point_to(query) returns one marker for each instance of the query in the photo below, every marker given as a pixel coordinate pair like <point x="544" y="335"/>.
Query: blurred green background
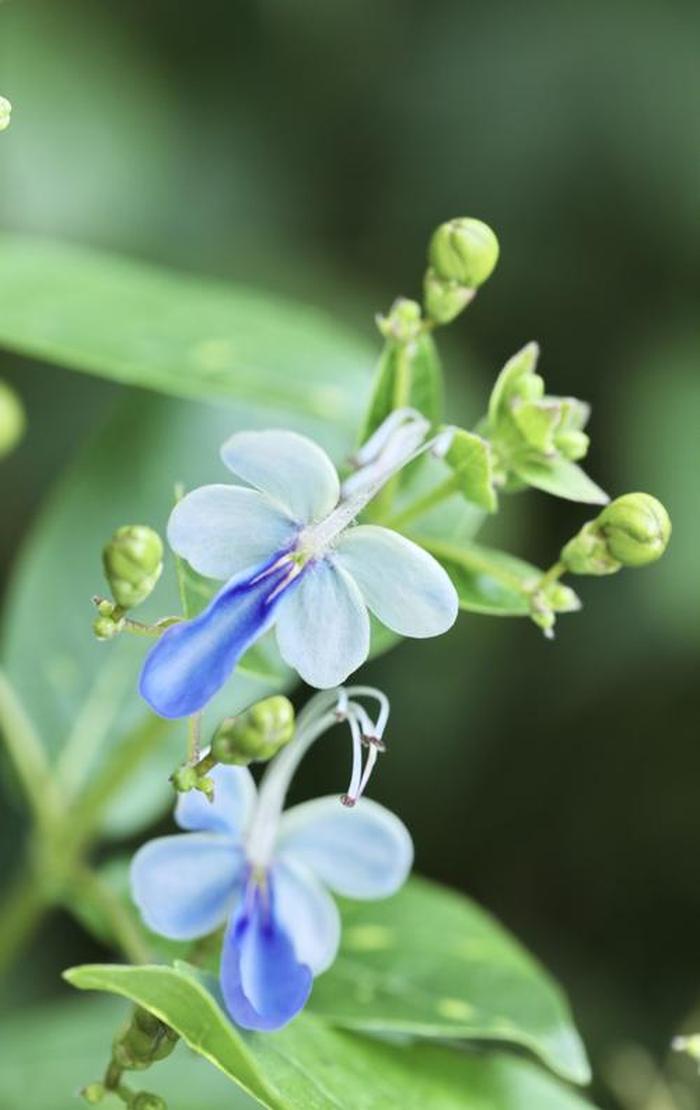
<point x="310" y="149"/>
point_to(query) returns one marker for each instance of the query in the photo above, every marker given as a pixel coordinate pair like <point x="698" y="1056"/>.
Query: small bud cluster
<point x="256" y="735"/>
<point x="631" y="531"/>
<point x="145" y="1041"/>
<point x="463" y="253"/>
<point x="133" y="563"/>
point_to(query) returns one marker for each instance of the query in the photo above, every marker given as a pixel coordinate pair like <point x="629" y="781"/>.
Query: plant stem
<point x="28" y="755"/>
<point x="22" y="909"/>
<point x="552" y="575"/>
<point x="467" y="557"/>
<point x="422" y="504"/>
<point x="125" y="930"/>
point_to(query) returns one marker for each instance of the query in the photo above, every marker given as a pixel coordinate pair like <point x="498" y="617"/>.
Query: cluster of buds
<point x="631" y="531"/>
<point x="145" y="1040"/>
<point x="12" y="418"/>
<point x="133" y="563"/>
<point x="463" y="253"/>
<point x="254" y="736"/>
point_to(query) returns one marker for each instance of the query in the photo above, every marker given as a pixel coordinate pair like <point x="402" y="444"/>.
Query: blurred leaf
<point x="561" y="477"/>
<point x="471" y="460"/>
<point x="181" y="335"/>
<point x="487" y="581"/>
<point x="82" y="694"/>
<point x="308" y="1066"/>
<point x="430" y="963"/>
<point x="425" y="392"/>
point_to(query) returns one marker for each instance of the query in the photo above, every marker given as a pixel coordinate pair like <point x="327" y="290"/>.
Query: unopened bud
<point x="572" y="444"/>
<point x="587" y="552"/>
<point x="444" y="299"/>
<point x="5" y="112"/>
<point x="94" y="1093"/>
<point x="146" y="1101"/>
<point x="636" y="528"/>
<point x="106" y="628"/>
<point x="403" y="322"/>
<point x="464" y="250"/>
<point x="258" y="734"/>
<point x="12" y="419"/>
<point x="133" y="562"/>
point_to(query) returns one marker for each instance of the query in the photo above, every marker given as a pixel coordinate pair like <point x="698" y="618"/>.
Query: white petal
<point x="291" y="469"/>
<point x="223" y="530"/>
<point x="404" y="586"/>
<point x="230" y="809"/>
<point x="323" y="626"/>
<point x="363" y="852"/>
<point x="307" y="913"/>
<point x="186" y="886"/>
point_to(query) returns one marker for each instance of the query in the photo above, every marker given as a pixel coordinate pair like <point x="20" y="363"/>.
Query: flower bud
<point x="106" y="628"/>
<point x="464" y="250"/>
<point x="257" y="734"/>
<point x="403" y="322"/>
<point x="144" y="1100"/>
<point x="12" y="419"/>
<point x="94" y="1093"/>
<point x="587" y="552"/>
<point x="573" y="444"/>
<point x="5" y="111"/>
<point x="636" y="528"/>
<point x="444" y="299"/>
<point x="133" y="562"/>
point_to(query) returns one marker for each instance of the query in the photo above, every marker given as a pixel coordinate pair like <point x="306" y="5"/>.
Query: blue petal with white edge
<point x="263" y="983"/>
<point x="224" y="530"/>
<point x="404" y="586"/>
<point x="192" y="660"/>
<point x="323" y="626"/>
<point x="363" y="852"/>
<point x="186" y="886"/>
<point x="291" y="469"/>
<point x="307" y="913"/>
<point x="230" y="810"/>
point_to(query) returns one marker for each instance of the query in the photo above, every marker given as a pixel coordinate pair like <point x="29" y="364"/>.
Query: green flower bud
<point x="444" y="299"/>
<point x="133" y="562"/>
<point x="464" y="250"/>
<point x="5" y="111"/>
<point x="636" y="528"/>
<point x="105" y="628"/>
<point x="587" y="552"/>
<point x="185" y="779"/>
<point x="572" y="444"/>
<point x="146" y="1101"/>
<point x="257" y="734"/>
<point x="93" y="1093"/>
<point x="12" y="419"/>
<point x="403" y="323"/>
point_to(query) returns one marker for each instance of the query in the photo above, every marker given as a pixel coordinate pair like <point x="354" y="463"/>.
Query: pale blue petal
<point x="404" y="586"/>
<point x="308" y="914"/>
<point x="192" y="660"/>
<point x="186" y="886"/>
<point x="230" y="810"/>
<point x="323" y="626"/>
<point x="291" y="469"/>
<point x="359" y="852"/>
<point x="263" y="983"/>
<point x="223" y="530"/>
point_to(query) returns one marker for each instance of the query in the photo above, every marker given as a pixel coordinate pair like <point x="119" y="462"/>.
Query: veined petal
<point x="363" y="852"/>
<point x="186" y="886"/>
<point x="192" y="660"/>
<point x="263" y="983"/>
<point x="223" y="530"/>
<point x="230" y="809"/>
<point x="323" y="626"/>
<point x="291" y="469"/>
<point x="403" y="585"/>
<point x="307" y="913"/>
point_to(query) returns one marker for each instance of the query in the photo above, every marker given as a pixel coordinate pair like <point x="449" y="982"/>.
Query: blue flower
<point x="288" y="550"/>
<point x="267" y="874"/>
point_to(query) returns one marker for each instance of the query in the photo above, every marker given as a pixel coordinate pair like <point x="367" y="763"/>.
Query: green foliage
<point x="471" y="459"/>
<point x="309" y="1065"/>
<point x="398" y="383"/>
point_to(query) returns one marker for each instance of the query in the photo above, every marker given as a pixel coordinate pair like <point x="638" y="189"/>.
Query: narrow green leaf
<point x="309" y="1066"/>
<point x="430" y="963"/>
<point x="560" y="477"/>
<point x="472" y="462"/>
<point x="425" y="393"/>
<point x="179" y="334"/>
<point x="486" y="580"/>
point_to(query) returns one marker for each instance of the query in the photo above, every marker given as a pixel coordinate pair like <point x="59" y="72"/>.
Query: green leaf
<point x="430" y="963"/>
<point x="181" y="335"/>
<point x="82" y="694"/>
<point x="309" y="1066"/>
<point x="487" y="581"/>
<point x="471" y="460"/>
<point x="561" y="477"/>
<point x="424" y="393"/>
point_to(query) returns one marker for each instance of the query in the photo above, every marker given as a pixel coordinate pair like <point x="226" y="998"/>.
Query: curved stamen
<point x="350" y="796"/>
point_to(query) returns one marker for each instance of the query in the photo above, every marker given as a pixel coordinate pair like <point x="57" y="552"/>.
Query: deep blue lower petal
<point x="192" y="660"/>
<point x="263" y="983"/>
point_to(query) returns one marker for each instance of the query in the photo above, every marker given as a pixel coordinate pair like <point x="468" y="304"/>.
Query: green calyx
<point x="256" y="735"/>
<point x="133" y="562"/>
<point x="444" y="298"/>
<point x="145" y="1041"/>
<point x="403" y="323"/>
<point x="12" y="418"/>
<point x="464" y="250"/>
<point x="631" y="531"/>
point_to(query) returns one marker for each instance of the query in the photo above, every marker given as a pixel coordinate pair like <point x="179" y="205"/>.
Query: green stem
<point x="401" y="399"/>
<point x="28" y="755"/>
<point x="469" y="558"/>
<point x="194" y="733"/>
<point x="552" y="575"/>
<point x="22" y="909"/>
<point x="93" y="890"/>
<point x="422" y="504"/>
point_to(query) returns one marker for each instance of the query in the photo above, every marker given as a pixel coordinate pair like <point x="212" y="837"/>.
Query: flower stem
<point x="424" y="503"/>
<point x="28" y="755"/>
<point x="552" y="575"/>
<point x="22" y="909"/>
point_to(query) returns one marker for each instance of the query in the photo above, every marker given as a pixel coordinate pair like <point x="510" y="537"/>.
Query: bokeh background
<point x="310" y="149"/>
